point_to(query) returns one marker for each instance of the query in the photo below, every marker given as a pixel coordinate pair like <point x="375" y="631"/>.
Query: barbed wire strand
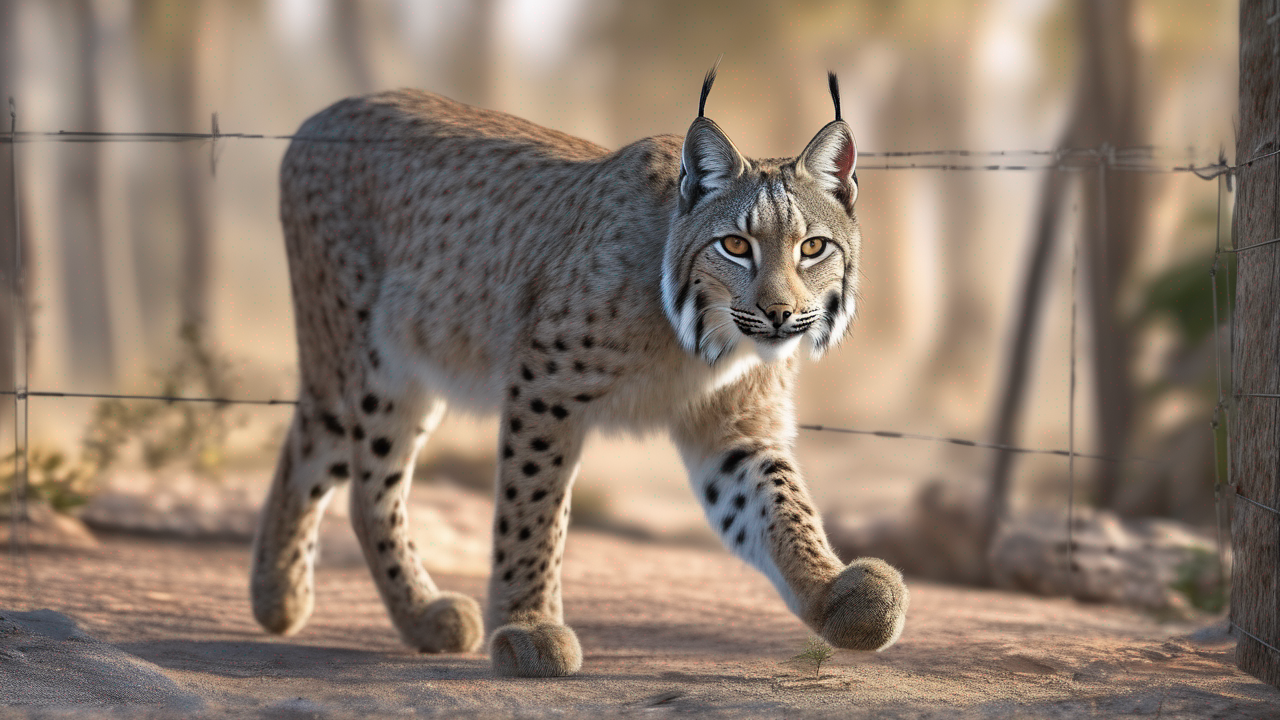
<point x="1123" y="159"/>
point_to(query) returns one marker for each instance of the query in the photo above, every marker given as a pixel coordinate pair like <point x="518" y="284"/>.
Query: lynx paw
<point x="280" y="607"/>
<point x="866" y="606"/>
<point x="450" y="623"/>
<point x="543" y="649"/>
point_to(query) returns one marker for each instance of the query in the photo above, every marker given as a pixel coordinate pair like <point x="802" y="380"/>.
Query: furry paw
<point x="542" y="649"/>
<point x="866" y="606"/>
<point x="451" y="623"/>
<point x="281" y="607"/>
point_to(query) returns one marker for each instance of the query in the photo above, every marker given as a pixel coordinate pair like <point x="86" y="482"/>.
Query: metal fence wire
<point x="1103" y="160"/>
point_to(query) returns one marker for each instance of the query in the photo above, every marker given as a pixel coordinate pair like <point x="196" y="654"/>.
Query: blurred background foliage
<point x="145" y="267"/>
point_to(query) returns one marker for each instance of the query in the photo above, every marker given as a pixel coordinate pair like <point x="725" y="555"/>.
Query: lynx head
<point x="762" y="251"/>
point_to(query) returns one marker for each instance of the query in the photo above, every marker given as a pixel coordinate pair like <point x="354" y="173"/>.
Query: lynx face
<point x="762" y="251"/>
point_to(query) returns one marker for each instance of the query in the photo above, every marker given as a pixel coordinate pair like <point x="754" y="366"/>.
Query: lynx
<point x="441" y="253"/>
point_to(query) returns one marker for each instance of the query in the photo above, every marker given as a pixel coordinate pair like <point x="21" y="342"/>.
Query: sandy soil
<point x="666" y="629"/>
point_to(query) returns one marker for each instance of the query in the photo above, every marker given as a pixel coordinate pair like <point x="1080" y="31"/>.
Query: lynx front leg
<point x="389" y="430"/>
<point x="738" y="452"/>
<point x="540" y="446"/>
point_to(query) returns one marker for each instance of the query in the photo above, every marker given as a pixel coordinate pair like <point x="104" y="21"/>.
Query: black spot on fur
<point x="362" y="315"/>
<point x="539" y="494"/>
<point x="552" y="367"/>
<point x="539" y="444"/>
<point x="317" y="491"/>
<point x="538" y="406"/>
<point x="537" y="346"/>
<point x="558" y="460"/>
<point x="502" y="526"/>
<point x="560" y="345"/>
<point x="524" y="533"/>
<point x="712" y="493"/>
<point x="727" y="523"/>
<point x="833" y="305"/>
<point x="357" y="432"/>
<point x="740" y="501"/>
<point x="742" y="535"/>
<point x="393" y="478"/>
<point x="383" y="545"/>
<point x="340" y="470"/>
<point x="776" y="466"/>
<point x="515" y="392"/>
<point x="515" y="424"/>
<point x="332" y="425"/>
<point x="588" y="342"/>
<point x="507" y="452"/>
<point x="579" y="366"/>
<point x="370" y="403"/>
<point x="500" y="556"/>
<point x="506" y="577"/>
<point x="779" y="499"/>
<point x="734" y="459"/>
<point x="530" y="468"/>
<point x="525" y="372"/>
<point x="511" y="492"/>
<point x="583" y="397"/>
<point x="364" y="476"/>
<point x="779" y="481"/>
<point x="559" y="412"/>
<point x="381" y="446"/>
<point x="393" y="572"/>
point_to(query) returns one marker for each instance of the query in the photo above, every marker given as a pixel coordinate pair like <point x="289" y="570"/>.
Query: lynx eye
<point x="813" y="247"/>
<point x="736" y="246"/>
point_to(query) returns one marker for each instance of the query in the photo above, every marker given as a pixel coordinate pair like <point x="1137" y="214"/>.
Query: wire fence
<point x="1104" y="159"/>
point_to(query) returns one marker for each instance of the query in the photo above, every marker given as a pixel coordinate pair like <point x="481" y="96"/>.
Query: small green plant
<point x="1198" y="581"/>
<point x="50" y="477"/>
<point x="167" y="432"/>
<point x="816" y="651"/>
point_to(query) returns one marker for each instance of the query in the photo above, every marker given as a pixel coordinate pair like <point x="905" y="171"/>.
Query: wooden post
<point x="1255" y="458"/>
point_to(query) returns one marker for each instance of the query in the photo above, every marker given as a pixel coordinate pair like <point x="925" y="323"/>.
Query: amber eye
<point x="813" y="247"/>
<point x="736" y="246"/>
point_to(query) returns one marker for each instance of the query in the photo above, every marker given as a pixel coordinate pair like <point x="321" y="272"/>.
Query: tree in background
<point x="90" y="340"/>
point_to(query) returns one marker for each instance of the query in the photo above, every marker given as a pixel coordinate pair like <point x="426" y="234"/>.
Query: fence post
<point x="1255" y="457"/>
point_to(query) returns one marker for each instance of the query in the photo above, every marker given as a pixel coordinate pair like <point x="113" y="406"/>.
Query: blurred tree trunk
<point x="472" y="67"/>
<point x="8" y="207"/>
<point x="353" y="43"/>
<point x="194" y="183"/>
<point x="83" y="255"/>
<point x="1114" y="225"/>
<point x="954" y="357"/>
<point x="1104" y="113"/>
<point x="168" y="35"/>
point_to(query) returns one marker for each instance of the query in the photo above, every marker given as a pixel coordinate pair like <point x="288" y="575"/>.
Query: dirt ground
<point x="666" y="629"/>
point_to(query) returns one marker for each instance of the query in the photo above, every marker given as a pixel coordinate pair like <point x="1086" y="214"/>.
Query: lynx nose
<point x="778" y="313"/>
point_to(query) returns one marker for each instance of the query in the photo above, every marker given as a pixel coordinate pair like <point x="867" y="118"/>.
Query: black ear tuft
<point x="706" y="86"/>
<point x="834" y="84"/>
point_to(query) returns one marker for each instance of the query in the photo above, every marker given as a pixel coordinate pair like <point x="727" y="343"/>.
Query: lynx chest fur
<point x="442" y="254"/>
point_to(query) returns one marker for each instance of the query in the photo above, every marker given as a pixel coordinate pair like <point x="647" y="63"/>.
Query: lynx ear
<point x="830" y="159"/>
<point x="708" y="162"/>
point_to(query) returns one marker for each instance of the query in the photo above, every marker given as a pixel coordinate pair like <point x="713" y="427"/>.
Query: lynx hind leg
<point x="389" y="430"/>
<point x="313" y="461"/>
